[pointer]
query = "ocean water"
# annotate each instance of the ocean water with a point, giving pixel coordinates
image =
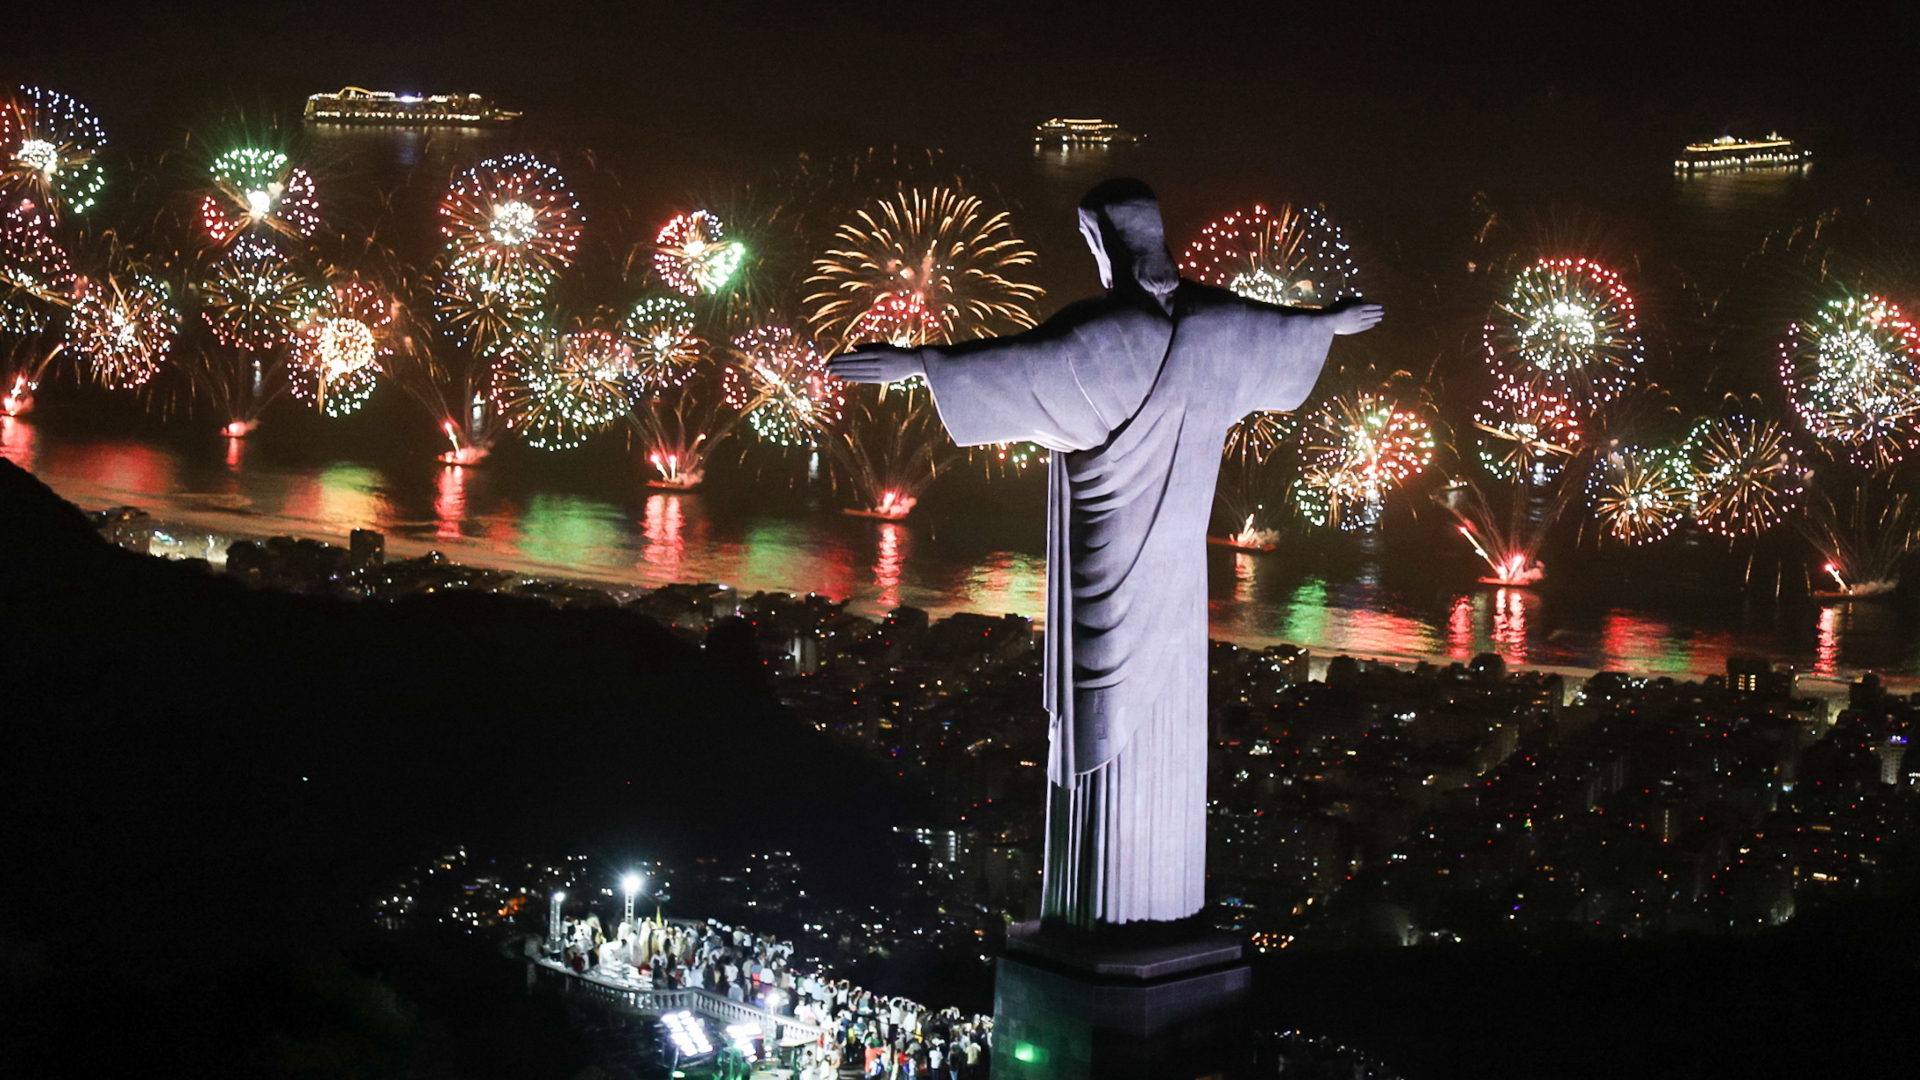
(1433, 211)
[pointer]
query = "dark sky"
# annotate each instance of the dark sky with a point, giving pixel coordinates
(942, 71)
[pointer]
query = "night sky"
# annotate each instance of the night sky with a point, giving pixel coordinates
(950, 74)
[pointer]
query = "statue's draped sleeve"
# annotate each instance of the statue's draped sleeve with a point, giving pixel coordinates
(1284, 352)
(1024, 388)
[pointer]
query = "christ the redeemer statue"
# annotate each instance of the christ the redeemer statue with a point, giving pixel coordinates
(1134, 392)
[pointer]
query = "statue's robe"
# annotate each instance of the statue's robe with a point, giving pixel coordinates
(1135, 404)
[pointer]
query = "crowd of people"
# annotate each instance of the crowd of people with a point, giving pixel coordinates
(888, 1037)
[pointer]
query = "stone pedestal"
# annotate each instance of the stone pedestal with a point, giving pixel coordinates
(1066, 1008)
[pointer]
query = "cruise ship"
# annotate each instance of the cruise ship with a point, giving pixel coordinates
(353, 105)
(1068, 132)
(1726, 152)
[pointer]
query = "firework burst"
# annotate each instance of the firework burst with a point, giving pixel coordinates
(1524, 433)
(259, 187)
(1746, 477)
(1255, 438)
(1568, 331)
(1852, 374)
(449, 375)
(679, 429)
(693, 256)
(780, 383)
(665, 349)
(1508, 543)
(511, 220)
(1291, 257)
(890, 451)
(482, 305)
(1864, 542)
(1356, 448)
(123, 331)
(925, 267)
(1252, 497)
(49, 144)
(901, 320)
(557, 389)
(36, 285)
(254, 297)
(36, 277)
(338, 349)
(1639, 494)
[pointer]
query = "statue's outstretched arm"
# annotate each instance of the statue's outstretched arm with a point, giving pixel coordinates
(877, 363)
(1354, 316)
(1288, 348)
(1011, 389)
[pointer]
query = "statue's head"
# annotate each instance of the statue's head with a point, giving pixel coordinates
(1120, 219)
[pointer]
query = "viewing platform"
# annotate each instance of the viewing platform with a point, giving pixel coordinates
(638, 996)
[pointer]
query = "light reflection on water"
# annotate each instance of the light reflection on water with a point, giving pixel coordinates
(664, 528)
(887, 568)
(449, 502)
(648, 539)
(16, 442)
(1826, 659)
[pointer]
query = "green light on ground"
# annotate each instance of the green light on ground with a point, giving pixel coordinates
(1026, 1051)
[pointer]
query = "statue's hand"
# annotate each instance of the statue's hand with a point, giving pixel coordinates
(876, 364)
(1356, 318)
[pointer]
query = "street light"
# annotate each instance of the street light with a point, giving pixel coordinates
(553, 923)
(631, 885)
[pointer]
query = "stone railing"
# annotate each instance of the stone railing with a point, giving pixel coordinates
(658, 1001)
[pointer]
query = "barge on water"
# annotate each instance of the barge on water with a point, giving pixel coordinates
(354, 105)
(1061, 131)
(1727, 152)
